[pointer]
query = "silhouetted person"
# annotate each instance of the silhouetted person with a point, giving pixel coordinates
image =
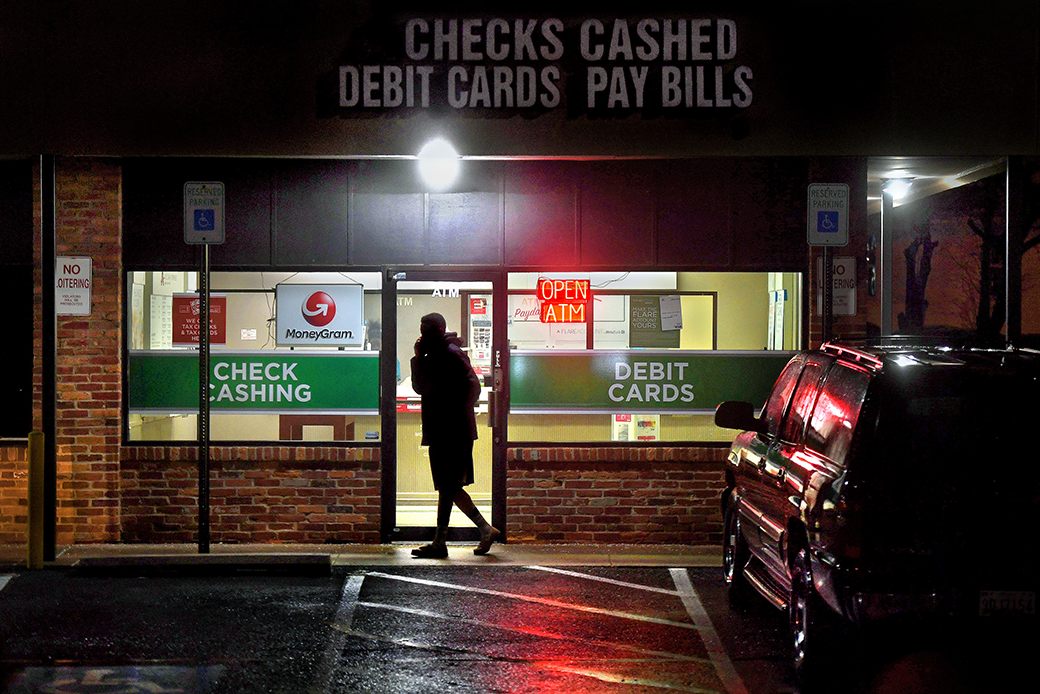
(443, 376)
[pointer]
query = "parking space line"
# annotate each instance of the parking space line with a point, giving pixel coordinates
(723, 665)
(539, 601)
(544, 664)
(601, 579)
(338, 639)
(532, 632)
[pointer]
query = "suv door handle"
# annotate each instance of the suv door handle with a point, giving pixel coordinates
(775, 471)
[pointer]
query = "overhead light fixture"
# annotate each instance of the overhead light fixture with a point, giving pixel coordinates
(897, 187)
(438, 164)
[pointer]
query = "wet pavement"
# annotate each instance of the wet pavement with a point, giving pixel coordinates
(502, 623)
(372, 619)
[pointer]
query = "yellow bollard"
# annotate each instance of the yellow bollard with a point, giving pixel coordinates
(34, 543)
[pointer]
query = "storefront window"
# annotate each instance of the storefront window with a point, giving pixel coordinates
(312, 376)
(665, 348)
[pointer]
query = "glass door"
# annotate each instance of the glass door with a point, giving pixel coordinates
(467, 306)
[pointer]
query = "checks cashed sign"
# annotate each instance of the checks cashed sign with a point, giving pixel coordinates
(320, 315)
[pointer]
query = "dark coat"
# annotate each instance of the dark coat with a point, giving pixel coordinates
(444, 377)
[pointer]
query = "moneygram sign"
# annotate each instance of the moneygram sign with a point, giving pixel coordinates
(320, 315)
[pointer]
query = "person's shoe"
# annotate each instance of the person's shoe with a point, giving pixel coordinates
(486, 540)
(431, 551)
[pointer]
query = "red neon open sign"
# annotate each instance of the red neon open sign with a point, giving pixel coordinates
(558, 291)
(563, 301)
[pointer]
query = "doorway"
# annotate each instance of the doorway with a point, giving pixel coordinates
(467, 303)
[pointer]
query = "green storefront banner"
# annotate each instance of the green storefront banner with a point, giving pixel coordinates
(639, 380)
(332, 382)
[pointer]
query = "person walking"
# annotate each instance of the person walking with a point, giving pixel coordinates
(443, 376)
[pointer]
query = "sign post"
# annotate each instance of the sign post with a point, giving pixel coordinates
(204, 224)
(828, 226)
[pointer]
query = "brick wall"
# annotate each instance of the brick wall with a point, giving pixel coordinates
(257, 494)
(89, 354)
(14, 494)
(619, 495)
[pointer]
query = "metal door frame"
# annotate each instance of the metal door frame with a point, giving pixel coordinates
(498, 398)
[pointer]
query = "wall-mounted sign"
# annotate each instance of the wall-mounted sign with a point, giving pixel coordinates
(335, 382)
(562, 300)
(72, 279)
(673, 66)
(320, 314)
(639, 381)
(843, 286)
(185, 320)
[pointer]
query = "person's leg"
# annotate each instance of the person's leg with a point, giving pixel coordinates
(488, 534)
(438, 549)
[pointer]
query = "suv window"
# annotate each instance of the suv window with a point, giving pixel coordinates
(802, 403)
(834, 418)
(773, 413)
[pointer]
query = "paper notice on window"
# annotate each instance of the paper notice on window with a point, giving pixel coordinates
(671, 313)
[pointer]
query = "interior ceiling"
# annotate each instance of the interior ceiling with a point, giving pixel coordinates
(930, 175)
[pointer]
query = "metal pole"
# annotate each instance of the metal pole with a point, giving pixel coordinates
(203, 423)
(885, 261)
(388, 406)
(49, 354)
(828, 294)
(34, 545)
(1013, 238)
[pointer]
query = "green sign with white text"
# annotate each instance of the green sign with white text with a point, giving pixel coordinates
(330, 382)
(639, 380)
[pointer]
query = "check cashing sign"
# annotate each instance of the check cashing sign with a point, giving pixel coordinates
(692, 382)
(326, 382)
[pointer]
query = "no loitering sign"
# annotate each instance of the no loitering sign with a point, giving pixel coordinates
(72, 280)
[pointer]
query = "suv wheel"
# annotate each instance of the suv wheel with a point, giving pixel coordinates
(735, 556)
(810, 638)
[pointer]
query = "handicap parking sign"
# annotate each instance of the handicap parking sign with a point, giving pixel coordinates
(827, 222)
(828, 214)
(205, 220)
(204, 212)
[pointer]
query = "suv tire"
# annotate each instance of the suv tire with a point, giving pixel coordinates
(735, 556)
(811, 636)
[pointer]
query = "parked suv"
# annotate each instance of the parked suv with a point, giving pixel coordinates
(885, 482)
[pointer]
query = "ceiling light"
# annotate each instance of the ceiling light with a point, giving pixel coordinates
(438, 164)
(897, 187)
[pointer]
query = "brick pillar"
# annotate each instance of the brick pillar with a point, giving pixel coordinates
(89, 354)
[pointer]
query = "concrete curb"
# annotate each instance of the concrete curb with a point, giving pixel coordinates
(294, 564)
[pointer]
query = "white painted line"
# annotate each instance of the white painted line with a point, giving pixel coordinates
(539, 601)
(622, 584)
(723, 665)
(532, 631)
(4, 579)
(341, 625)
(619, 679)
(543, 664)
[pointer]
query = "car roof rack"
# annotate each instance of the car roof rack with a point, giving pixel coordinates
(852, 354)
(952, 339)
